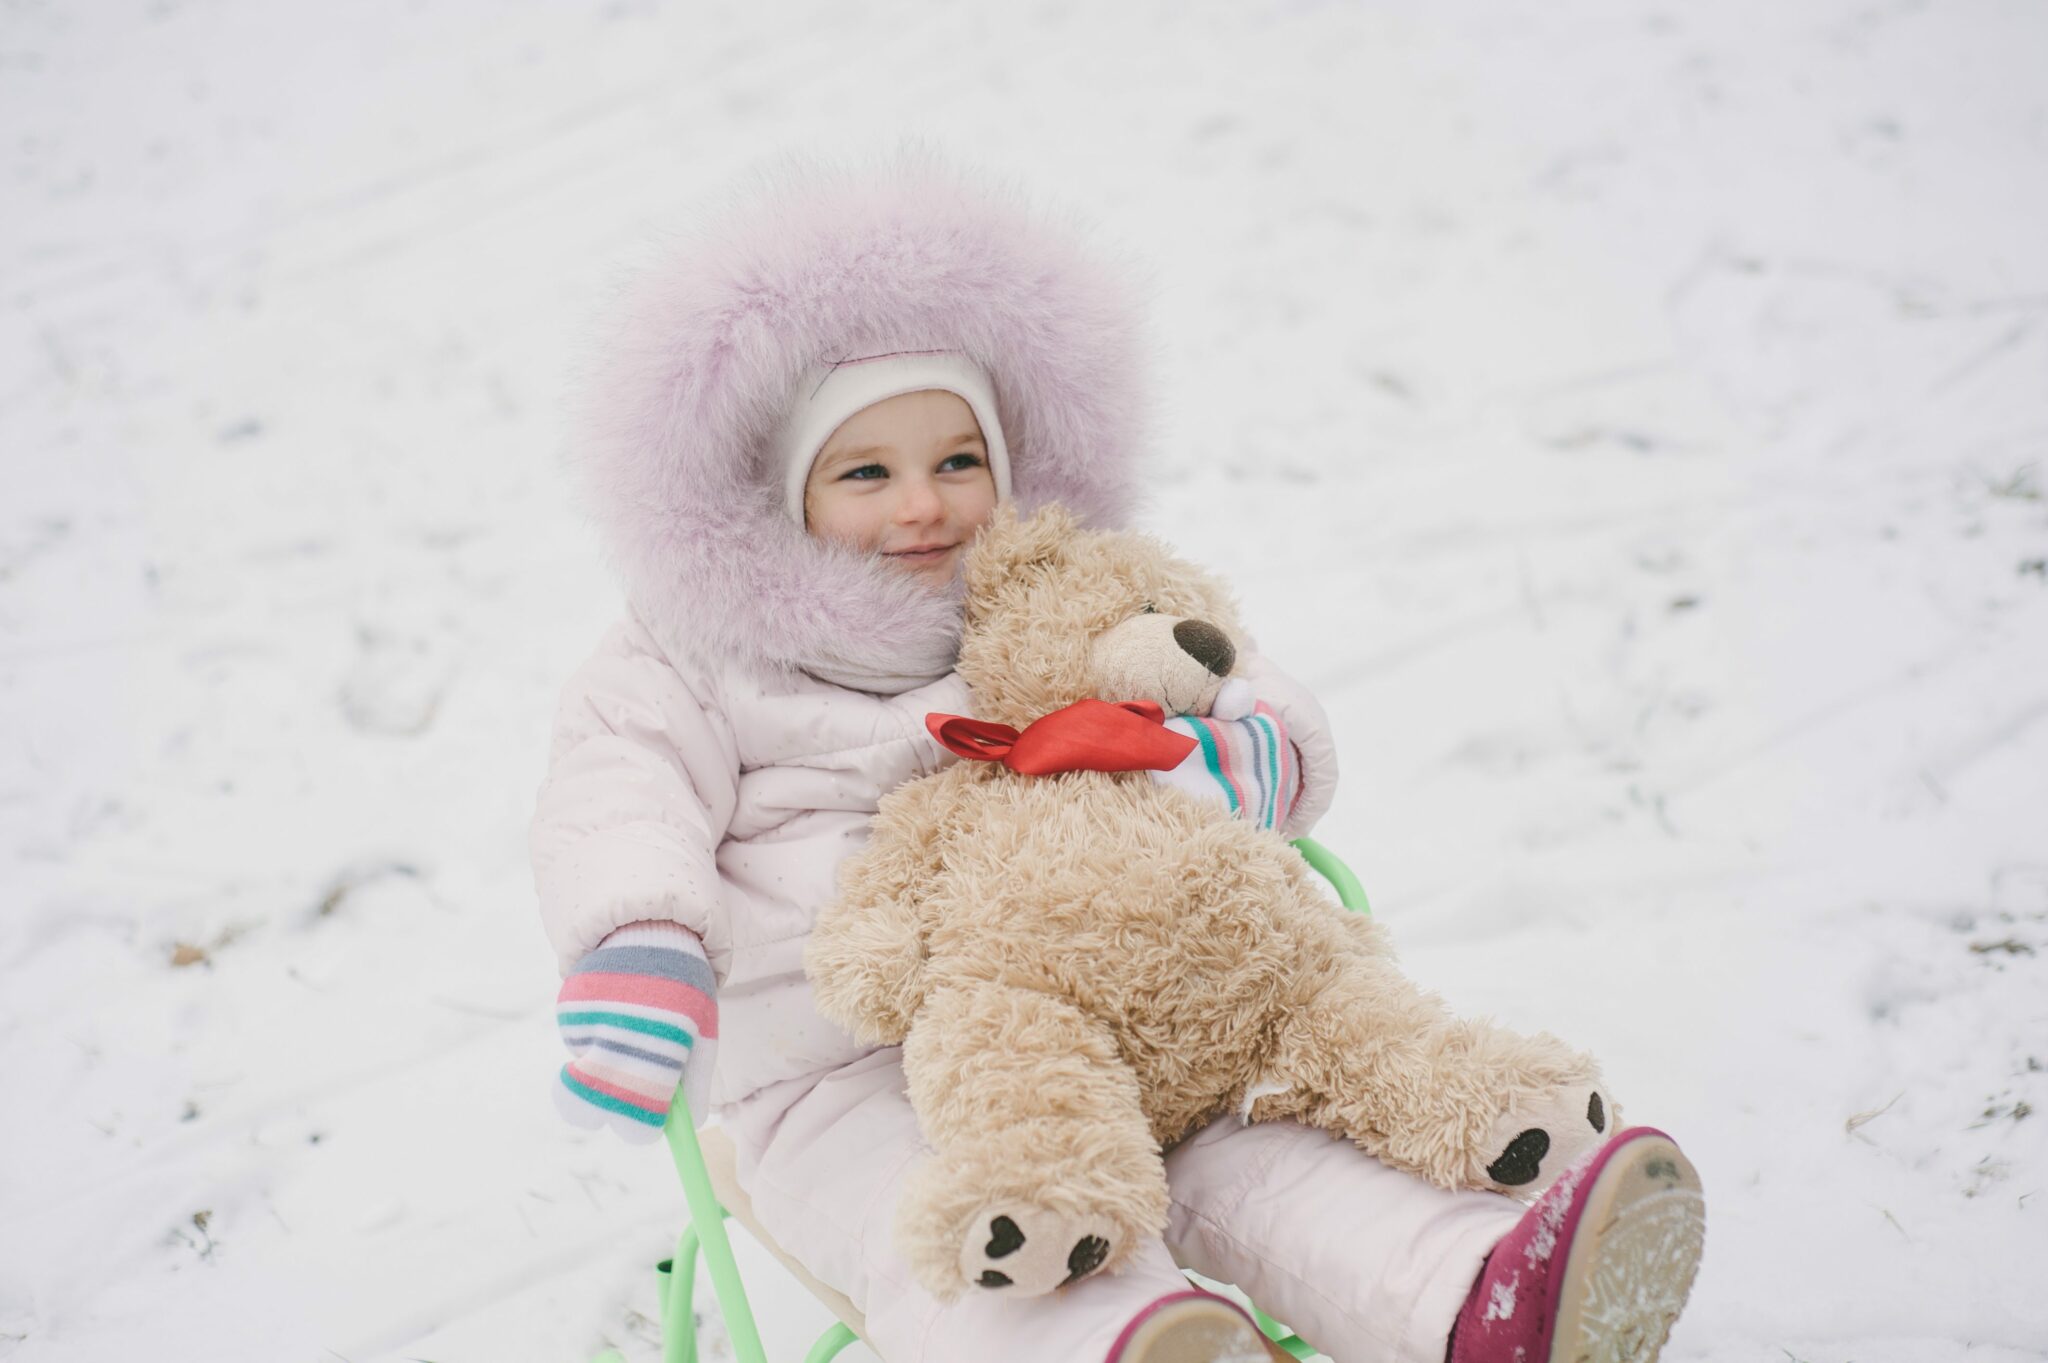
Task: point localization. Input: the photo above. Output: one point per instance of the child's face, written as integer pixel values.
(907, 476)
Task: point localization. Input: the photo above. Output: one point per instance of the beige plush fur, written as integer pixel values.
(1084, 968)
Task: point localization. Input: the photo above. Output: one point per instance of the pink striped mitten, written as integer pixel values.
(639, 1016)
(1242, 757)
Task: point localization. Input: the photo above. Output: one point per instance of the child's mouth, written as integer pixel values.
(931, 555)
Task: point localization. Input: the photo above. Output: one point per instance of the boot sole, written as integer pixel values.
(1633, 1256)
(1196, 1328)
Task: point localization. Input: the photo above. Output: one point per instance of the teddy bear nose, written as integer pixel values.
(1206, 644)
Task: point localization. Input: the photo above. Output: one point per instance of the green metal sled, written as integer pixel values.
(714, 1195)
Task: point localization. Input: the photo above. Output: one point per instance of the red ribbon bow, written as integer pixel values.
(1089, 735)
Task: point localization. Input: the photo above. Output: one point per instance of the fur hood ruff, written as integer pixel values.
(804, 262)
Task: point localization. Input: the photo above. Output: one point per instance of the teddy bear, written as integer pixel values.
(1085, 966)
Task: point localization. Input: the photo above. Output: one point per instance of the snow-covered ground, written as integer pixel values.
(1640, 414)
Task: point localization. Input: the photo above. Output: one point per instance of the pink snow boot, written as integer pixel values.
(1193, 1327)
(1598, 1269)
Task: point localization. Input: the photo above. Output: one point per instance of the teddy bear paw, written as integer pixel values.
(1027, 1252)
(1532, 1143)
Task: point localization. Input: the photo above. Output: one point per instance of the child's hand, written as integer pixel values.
(1242, 757)
(639, 1015)
(1307, 728)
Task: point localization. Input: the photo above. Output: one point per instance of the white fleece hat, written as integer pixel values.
(837, 389)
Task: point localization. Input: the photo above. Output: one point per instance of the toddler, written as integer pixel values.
(797, 427)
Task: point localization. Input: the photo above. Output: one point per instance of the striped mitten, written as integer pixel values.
(639, 1015)
(1242, 757)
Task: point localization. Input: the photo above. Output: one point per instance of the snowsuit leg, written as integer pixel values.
(1363, 1261)
(824, 1162)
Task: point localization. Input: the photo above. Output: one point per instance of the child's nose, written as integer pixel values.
(921, 501)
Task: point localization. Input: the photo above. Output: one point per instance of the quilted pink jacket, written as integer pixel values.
(699, 771)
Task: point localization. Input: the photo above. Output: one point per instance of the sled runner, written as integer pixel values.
(704, 1162)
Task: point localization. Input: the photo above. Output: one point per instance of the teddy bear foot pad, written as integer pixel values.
(1539, 1141)
(1027, 1251)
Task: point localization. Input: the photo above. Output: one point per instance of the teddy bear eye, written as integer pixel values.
(1148, 609)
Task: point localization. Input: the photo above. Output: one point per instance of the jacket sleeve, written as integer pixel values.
(643, 775)
(1308, 728)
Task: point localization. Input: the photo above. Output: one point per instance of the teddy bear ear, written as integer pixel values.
(1010, 543)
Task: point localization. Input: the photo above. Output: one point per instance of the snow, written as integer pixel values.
(1550, 1215)
(1641, 412)
(1500, 1302)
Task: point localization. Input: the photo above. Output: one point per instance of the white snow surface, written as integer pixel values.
(1630, 420)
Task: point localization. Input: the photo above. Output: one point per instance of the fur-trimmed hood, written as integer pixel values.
(806, 261)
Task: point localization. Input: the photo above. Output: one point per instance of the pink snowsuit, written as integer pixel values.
(705, 770)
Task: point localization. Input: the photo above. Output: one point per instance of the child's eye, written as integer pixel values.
(952, 462)
(866, 473)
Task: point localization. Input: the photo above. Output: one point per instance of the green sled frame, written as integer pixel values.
(677, 1277)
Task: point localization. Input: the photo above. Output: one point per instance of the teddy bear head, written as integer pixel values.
(1056, 613)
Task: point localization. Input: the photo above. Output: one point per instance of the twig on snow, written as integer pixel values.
(1858, 1120)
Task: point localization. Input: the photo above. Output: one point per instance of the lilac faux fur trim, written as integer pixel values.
(805, 260)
